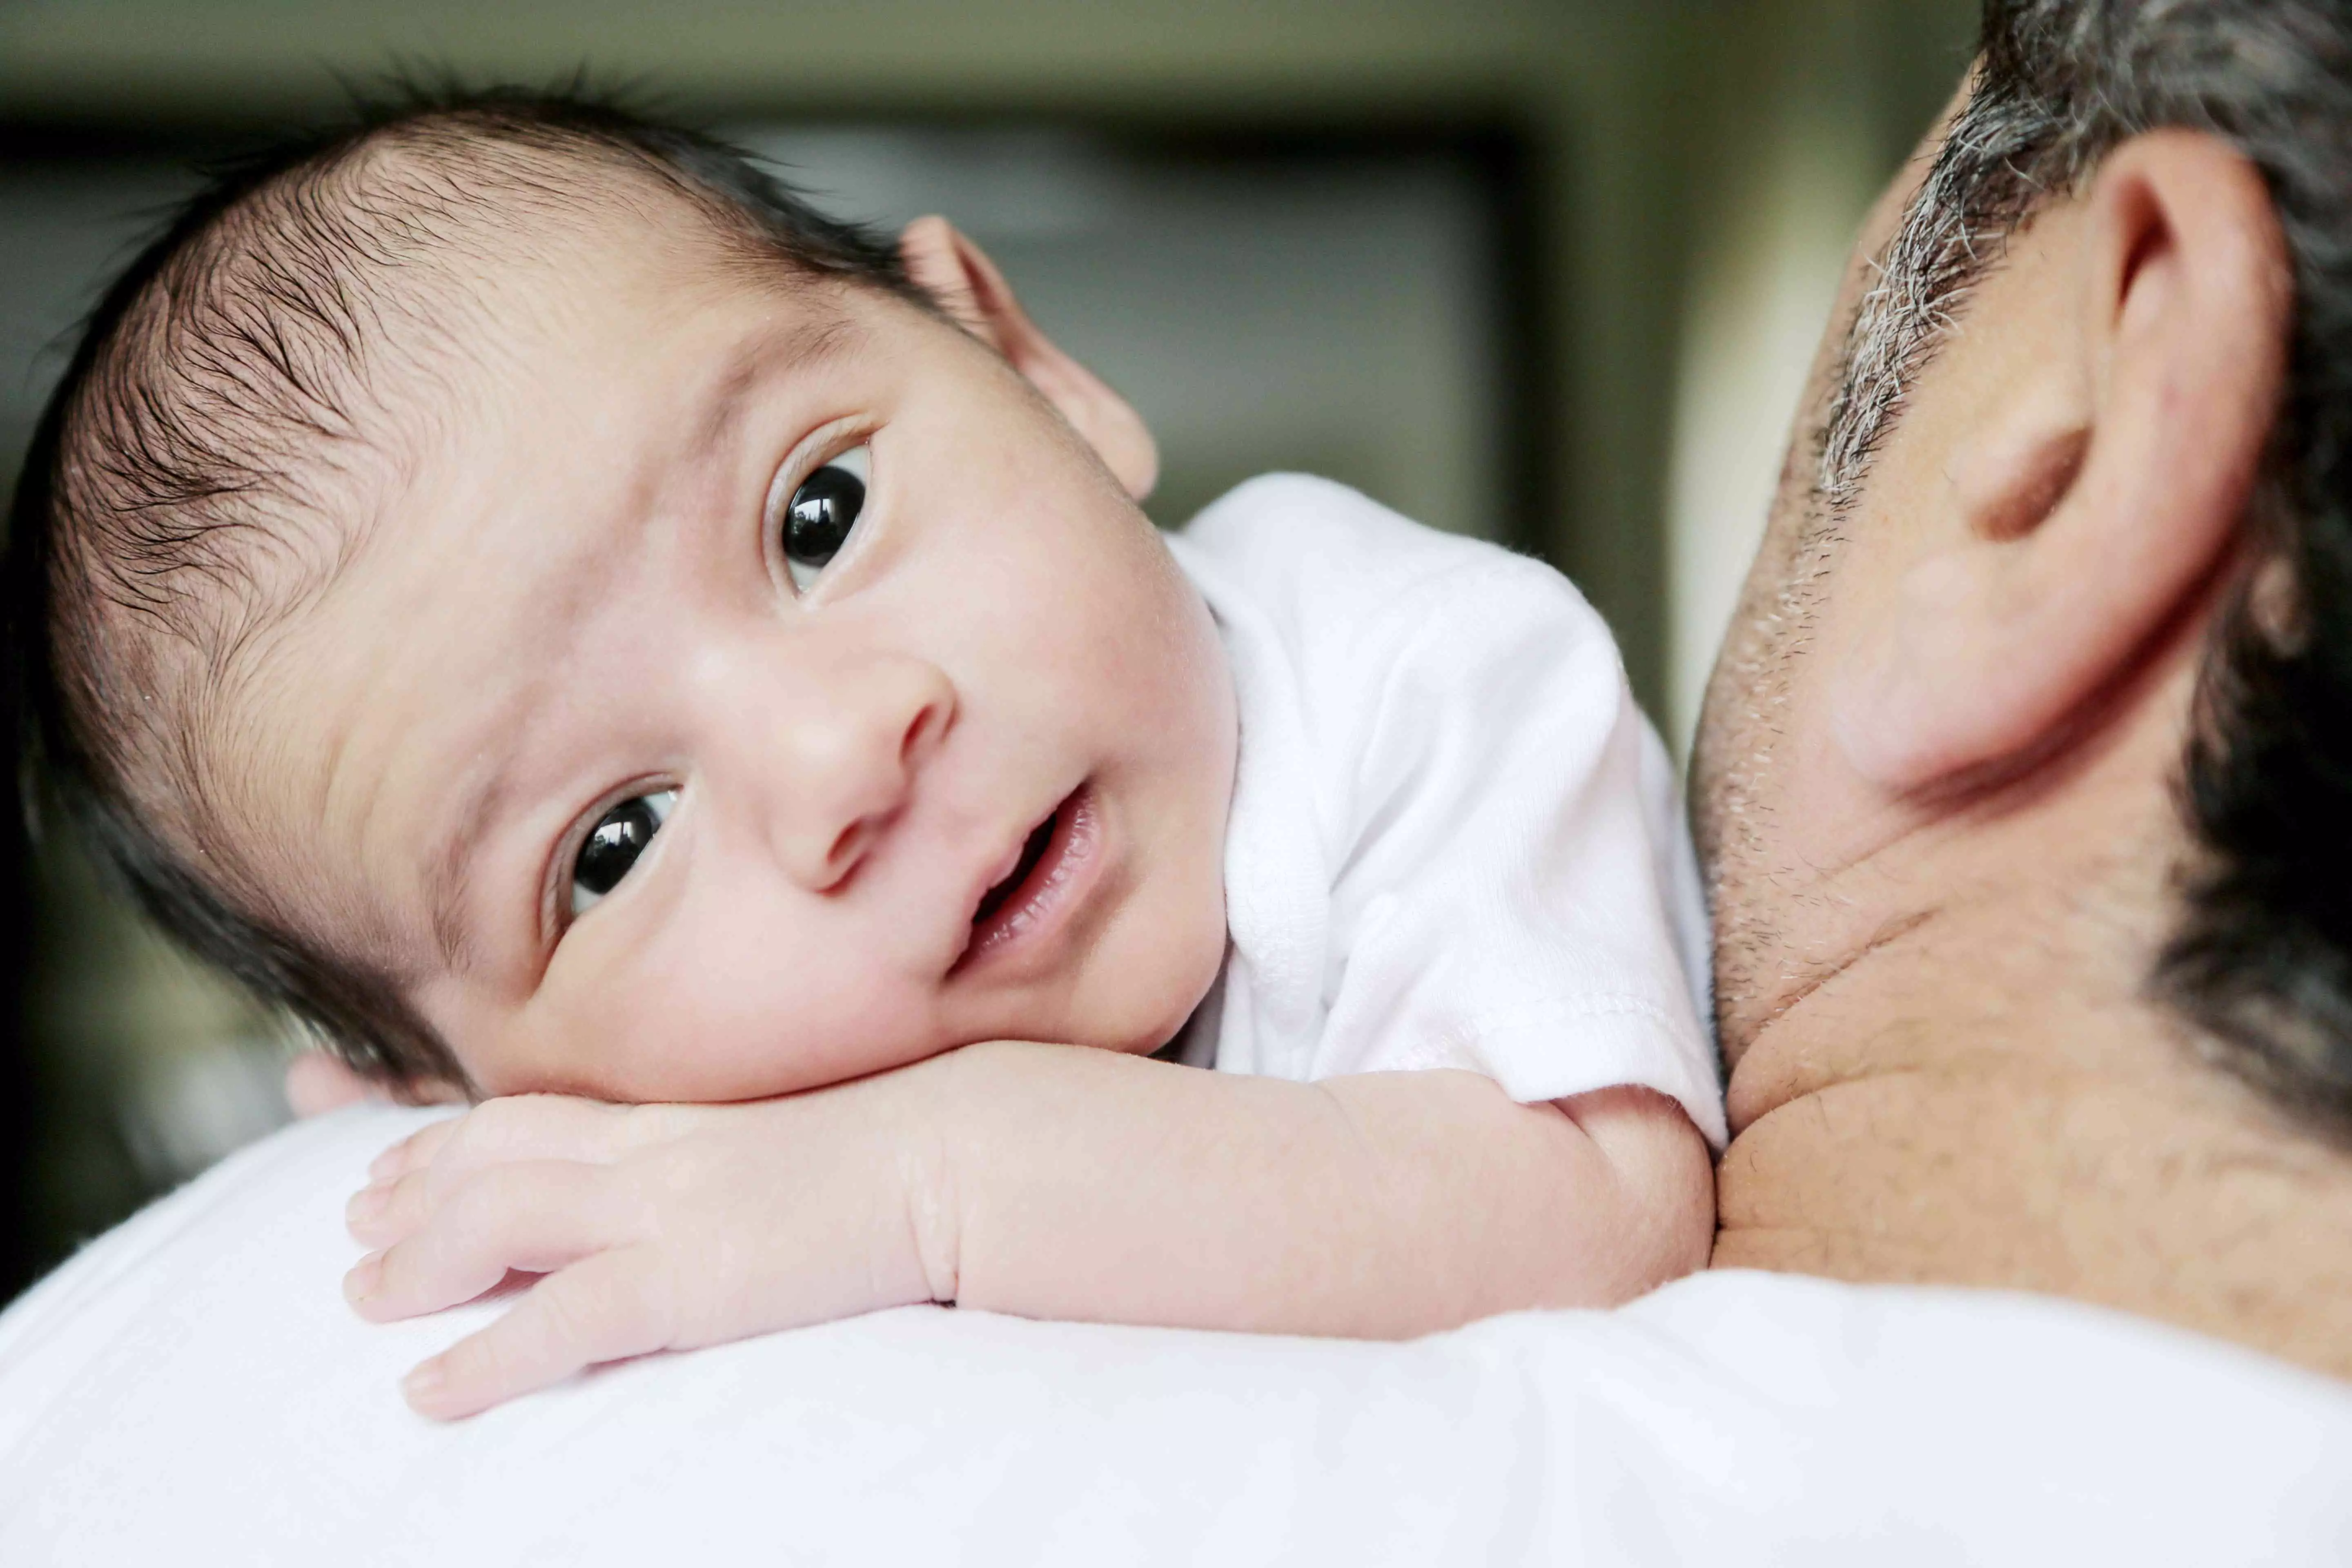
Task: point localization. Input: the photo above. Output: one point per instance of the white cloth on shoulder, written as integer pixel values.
(193, 1389)
(1455, 840)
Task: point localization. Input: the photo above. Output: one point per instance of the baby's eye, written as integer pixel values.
(620, 836)
(817, 520)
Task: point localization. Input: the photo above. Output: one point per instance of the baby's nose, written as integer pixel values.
(849, 760)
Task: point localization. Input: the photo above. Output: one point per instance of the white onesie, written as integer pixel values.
(1454, 841)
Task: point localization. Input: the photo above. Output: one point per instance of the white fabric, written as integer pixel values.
(1455, 840)
(192, 1389)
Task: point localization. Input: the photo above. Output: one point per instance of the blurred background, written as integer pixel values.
(1547, 271)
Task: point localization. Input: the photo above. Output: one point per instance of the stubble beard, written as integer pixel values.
(1738, 759)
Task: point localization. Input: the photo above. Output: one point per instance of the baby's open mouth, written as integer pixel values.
(1049, 878)
(1030, 853)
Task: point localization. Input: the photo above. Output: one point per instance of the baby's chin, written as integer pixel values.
(1139, 1019)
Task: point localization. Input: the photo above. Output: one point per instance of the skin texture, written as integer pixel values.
(1934, 782)
(1021, 1178)
(580, 598)
(856, 762)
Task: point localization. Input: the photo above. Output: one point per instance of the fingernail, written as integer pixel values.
(368, 1204)
(423, 1384)
(365, 1275)
(385, 1163)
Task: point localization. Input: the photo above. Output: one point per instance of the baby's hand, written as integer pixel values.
(656, 1228)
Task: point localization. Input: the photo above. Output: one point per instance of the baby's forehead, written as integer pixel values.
(416, 190)
(464, 323)
(484, 331)
(453, 276)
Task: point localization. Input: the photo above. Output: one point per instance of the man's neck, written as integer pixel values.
(1984, 1098)
(1965, 1083)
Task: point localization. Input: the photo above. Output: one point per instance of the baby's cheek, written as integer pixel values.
(766, 1047)
(721, 1032)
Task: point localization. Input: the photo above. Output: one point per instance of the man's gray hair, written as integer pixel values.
(2259, 960)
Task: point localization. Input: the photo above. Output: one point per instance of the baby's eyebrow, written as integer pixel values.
(825, 334)
(449, 874)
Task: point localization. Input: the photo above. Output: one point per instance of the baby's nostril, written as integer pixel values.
(847, 846)
(929, 725)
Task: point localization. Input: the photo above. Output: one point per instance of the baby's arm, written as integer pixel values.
(1381, 1205)
(1047, 1181)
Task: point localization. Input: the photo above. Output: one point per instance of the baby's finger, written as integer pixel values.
(414, 1152)
(534, 1217)
(385, 1212)
(601, 1309)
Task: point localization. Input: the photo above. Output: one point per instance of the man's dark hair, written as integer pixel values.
(177, 459)
(2260, 958)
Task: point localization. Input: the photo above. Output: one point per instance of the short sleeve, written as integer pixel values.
(1509, 905)
(1438, 736)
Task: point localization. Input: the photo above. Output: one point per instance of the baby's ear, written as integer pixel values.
(317, 1083)
(955, 272)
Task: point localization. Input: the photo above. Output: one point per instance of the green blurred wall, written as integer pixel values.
(1630, 109)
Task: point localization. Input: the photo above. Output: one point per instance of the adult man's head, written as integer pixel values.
(2022, 774)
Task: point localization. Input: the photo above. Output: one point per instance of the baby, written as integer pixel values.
(517, 588)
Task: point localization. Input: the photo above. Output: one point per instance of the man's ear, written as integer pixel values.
(955, 272)
(2098, 505)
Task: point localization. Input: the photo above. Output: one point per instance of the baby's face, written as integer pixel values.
(750, 687)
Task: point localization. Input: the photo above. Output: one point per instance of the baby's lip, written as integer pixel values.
(1005, 866)
(1019, 863)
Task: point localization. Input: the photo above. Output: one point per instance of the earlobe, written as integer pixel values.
(2089, 510)
(960, 278)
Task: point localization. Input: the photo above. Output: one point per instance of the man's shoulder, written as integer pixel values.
(197, 1379)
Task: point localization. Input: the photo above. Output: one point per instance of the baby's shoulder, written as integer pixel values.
(1331, 565)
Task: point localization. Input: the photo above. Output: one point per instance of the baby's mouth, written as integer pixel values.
(1030, 853)
(1051, 872)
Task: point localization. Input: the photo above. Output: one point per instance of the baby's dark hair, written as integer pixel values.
(182, 460)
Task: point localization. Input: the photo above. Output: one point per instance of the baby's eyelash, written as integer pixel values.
(620, 839)
(809, 454)
(558, 908)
